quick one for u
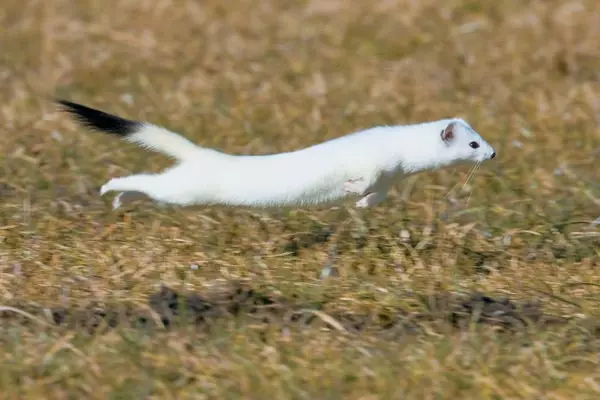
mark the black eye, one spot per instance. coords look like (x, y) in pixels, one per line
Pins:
(474, 145)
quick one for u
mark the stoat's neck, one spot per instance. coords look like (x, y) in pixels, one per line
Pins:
(414, 148)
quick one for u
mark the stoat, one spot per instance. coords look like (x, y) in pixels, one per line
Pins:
(362, 166)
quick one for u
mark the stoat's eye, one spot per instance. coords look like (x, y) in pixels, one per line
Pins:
(474, 145)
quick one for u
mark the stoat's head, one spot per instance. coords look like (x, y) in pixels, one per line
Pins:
(459, 143)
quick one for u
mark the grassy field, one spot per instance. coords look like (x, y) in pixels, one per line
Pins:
(488, 291)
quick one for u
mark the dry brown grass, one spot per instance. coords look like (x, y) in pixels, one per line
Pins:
(258, 77)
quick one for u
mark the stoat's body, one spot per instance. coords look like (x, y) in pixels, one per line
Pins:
(363, 165)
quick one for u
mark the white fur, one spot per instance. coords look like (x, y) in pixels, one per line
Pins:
(159, 139)
(363, 165)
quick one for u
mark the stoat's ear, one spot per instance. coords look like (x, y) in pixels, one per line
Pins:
(447, 134)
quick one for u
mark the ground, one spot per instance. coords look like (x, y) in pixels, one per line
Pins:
(481, 291)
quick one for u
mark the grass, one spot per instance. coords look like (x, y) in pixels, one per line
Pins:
(486, 292)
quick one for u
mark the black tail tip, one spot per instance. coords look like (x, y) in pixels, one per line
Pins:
(99, 120)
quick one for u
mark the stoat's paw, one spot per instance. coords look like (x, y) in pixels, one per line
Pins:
(363, 203)
(106, 187)
(117, 201)
(371, 200)
(355, 186)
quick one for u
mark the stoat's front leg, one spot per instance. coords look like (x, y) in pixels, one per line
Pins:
(372, 199)
(358, 186)
(371, 194)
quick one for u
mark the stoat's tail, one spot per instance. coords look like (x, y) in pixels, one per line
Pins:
(144, 134)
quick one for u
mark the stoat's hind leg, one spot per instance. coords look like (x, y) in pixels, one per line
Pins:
(132, 188)
(125, 198)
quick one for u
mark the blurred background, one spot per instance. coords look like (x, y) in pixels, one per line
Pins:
(271, 76)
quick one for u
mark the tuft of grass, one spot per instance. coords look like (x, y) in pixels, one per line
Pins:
(486, 292)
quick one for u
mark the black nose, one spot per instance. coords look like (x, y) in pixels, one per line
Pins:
(493, 155)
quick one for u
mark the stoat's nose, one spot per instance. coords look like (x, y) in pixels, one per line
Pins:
(493, 155)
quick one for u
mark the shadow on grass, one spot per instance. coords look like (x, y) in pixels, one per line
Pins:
(170, 309)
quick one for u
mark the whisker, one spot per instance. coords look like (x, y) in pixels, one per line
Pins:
(473, 170)
(471, 173)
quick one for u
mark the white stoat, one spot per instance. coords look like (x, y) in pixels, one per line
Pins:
(363, 165)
